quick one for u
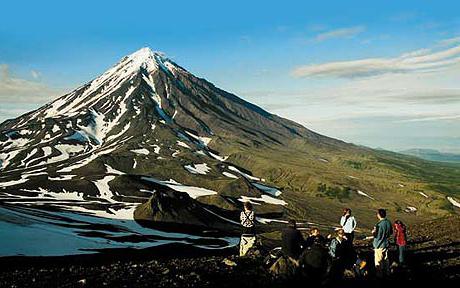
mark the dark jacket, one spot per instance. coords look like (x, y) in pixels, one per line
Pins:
(319, 239)
(292, 242)
(383, 231)
(337, 248)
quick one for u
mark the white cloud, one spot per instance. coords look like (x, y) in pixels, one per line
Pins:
(17, 90)
(422, 60)
(347, 32)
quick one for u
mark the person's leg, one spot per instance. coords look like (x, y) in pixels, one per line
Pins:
(378, 261)
(402, 251)
(385, 262)
(242, 241)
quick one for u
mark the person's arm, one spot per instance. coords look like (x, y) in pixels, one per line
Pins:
(354, 224)
(342, 221)
(332, 248)
(375, 231)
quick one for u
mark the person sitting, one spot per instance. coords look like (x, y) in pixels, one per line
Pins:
(315, 238)
(314, 259)
(292, 241)
(248, 236)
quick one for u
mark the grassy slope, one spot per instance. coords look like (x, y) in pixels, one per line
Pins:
(311, 184)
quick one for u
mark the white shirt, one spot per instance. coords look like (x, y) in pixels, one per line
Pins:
(350, 224)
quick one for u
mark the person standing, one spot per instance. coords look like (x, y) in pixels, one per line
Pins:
(248, 235)
(348, 223)
(400, 239)
(382, 232)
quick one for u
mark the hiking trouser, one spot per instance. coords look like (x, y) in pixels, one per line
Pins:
(382, 263)
(246, 243)
(350, 237)
(401, 253)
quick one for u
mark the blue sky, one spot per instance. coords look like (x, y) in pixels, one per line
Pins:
(377, 73)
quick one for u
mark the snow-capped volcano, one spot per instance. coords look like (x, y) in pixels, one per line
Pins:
(146, 119)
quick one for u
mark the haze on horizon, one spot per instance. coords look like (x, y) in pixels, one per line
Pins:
(382, 75)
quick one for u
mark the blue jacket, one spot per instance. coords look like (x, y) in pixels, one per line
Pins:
(383, 231)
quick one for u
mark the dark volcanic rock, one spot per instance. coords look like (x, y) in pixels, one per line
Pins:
(178, 211)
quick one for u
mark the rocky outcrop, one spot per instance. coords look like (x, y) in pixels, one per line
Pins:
(177, 211)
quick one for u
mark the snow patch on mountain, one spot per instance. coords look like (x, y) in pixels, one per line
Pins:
(229, 175)
(365, 194)
(263, 198)
(141, 151)
(202, 169)
(234, 169)
(193, 192)
(453, 201)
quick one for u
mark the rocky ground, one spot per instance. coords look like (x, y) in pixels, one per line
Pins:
(434, 256)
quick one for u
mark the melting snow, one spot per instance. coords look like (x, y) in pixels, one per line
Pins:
(13, 182)
(141, 151)
(156, 149)
(234, 169)
(202, 169)
(423, 194)
(193, 192)
(215, 156)
(104, 188)
(204, 141)
(410, 209)
(364, 194)
(66, 151)
(263, 198)
(28, 156)
(454, 202)
(230, 175)
(183, 144)
(111, 170)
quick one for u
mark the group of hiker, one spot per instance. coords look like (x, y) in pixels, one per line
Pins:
(337, 248)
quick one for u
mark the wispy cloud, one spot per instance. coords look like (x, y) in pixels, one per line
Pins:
(421, 60)
(424, 118)
(35, 74)
(18, 90)
(346, 32)
(450, 41)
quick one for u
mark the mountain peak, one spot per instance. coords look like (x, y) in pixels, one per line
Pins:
(143, 58)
